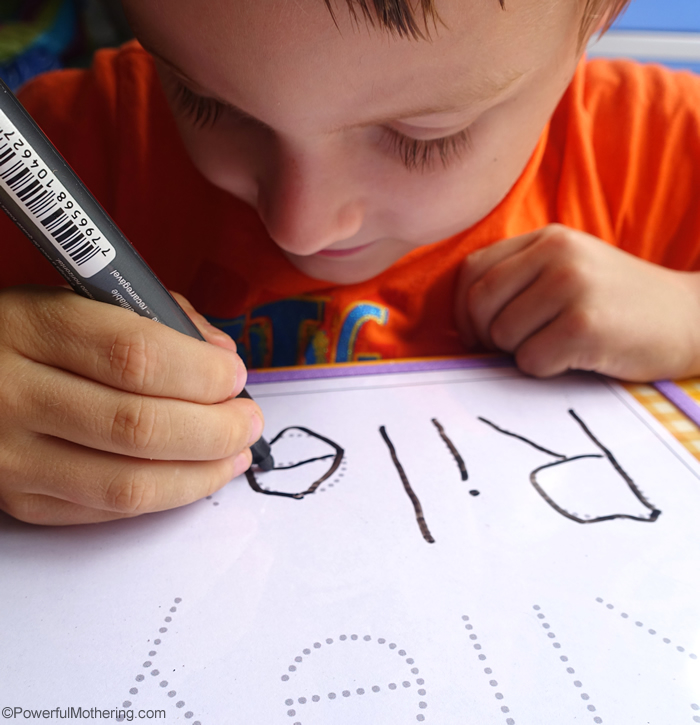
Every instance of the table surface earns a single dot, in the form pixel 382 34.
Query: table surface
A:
pixel 668 415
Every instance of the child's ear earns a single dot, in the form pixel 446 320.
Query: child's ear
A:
pixel 610 12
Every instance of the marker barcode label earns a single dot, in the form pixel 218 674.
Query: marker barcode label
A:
pixel 32 184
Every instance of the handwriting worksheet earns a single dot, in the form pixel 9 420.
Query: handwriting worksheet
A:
pixel 458 546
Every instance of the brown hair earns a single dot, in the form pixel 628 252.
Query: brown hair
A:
pixel 412 18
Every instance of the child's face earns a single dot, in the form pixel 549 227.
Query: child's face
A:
pixel 356 147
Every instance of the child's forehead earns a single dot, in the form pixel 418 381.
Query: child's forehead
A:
pixel 248 51
pixel 300 22
pixel 312 20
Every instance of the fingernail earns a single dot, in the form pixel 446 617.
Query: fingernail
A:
pixel 219 337
pixel 256 429
pixel 215 331
pixel 241 377
pixel 241 463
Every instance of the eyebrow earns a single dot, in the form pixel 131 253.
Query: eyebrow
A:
pixel 493 90
pixel 178 71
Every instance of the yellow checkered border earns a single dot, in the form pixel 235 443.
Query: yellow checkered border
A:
pixel 668 415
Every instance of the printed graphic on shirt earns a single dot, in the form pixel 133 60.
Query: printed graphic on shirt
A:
pixel 296 331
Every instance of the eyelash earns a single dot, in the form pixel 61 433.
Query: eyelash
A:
pixel 415 154
pixel 200 110
pixel 422 154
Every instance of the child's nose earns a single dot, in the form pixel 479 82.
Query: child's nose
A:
pixel 308 205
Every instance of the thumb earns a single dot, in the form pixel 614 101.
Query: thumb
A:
pixel 211 334
pixel 462 316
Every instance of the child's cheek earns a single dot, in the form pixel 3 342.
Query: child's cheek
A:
pixel 225 157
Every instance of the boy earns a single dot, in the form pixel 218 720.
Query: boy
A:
pixel 306 176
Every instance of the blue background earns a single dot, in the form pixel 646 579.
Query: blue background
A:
pixel 666 16
pixel 681 16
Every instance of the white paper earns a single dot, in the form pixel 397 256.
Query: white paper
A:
pixel 335 609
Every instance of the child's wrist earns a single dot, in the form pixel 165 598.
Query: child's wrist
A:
pixel 691 282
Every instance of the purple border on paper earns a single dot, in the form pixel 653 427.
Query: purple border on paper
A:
pixel 668 389
pixel 312 372
pixel 680 399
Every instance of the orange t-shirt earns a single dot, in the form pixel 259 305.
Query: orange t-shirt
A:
pixel 620 159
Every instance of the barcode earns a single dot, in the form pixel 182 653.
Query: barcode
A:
pixel 42 202
pixel 31 183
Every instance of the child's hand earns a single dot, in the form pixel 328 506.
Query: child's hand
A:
pixel 560 299
pixel 105 414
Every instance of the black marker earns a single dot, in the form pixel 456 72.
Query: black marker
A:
pixel 48 202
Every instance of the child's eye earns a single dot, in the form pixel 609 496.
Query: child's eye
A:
pixel 200 110
pixel 416 154
pixel 422 154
